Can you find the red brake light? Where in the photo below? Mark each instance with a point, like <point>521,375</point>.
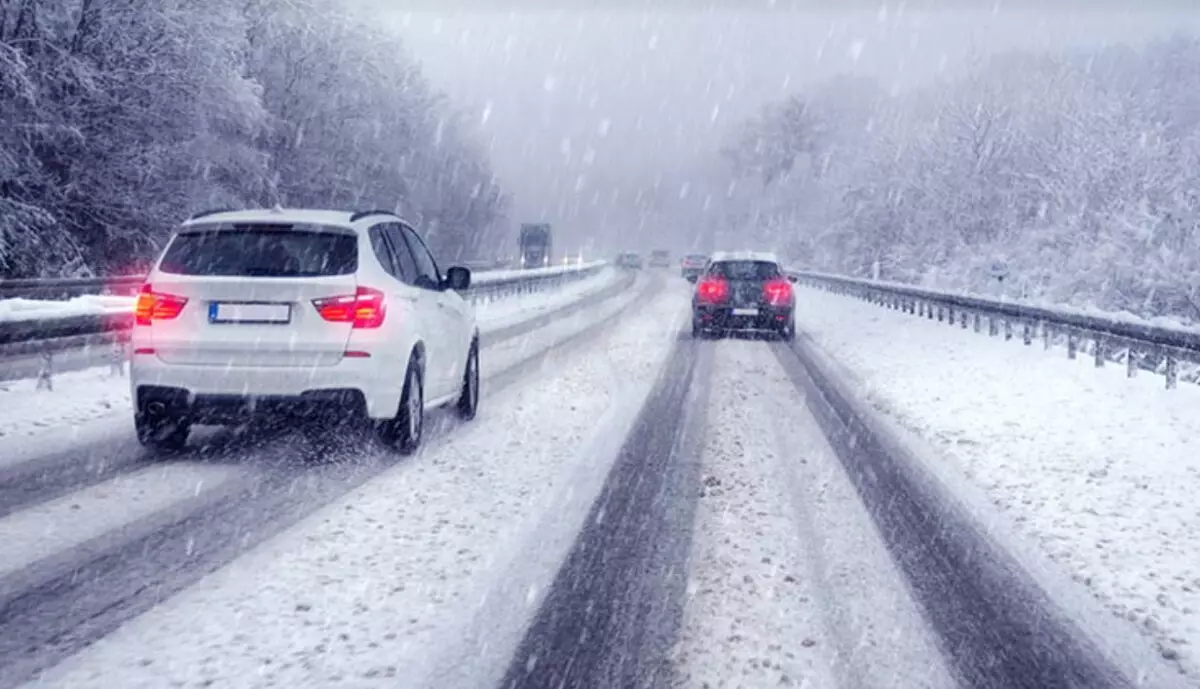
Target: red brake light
<point>778,292</point>
<point>363,309</point>
<point>155,306</point>
<point>712,290</point>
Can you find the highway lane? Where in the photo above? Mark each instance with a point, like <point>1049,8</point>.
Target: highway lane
<point>707,560</point>
<point>52,608</point>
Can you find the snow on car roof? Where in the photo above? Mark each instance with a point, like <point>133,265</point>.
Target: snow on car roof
<point>765,256</point>
<point>297,216</point>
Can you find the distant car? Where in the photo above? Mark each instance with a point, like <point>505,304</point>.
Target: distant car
<point>744,291</point>
<point>330,315</point>
<point>660,258</point>
<point>630,259</point>
<point>693,265</point>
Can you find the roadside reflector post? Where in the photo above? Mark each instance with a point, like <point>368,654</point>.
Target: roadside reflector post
<point>1072,344</point>
<point>1047,335</point>
<point>116,358</point>
<point>1099,351</point>
<point>1172,371</point>
<point>45,371</point>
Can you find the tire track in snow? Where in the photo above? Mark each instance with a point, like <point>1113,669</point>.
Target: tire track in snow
<point>609,618</point>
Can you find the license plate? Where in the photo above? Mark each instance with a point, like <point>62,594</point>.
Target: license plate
<point>242,312</point>
<point>745,312</point>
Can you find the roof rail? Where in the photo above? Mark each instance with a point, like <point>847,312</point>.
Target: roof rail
<point>213,211</point>
<point>362,214</point>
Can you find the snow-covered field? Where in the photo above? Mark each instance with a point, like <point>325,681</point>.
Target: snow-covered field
<point>81,397</point>
<point>381,587</point>
<point>1098,470</point>
<point>789,584</point>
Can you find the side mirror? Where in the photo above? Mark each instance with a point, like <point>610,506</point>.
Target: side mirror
<point>793,278</point>
<point>692,278</point>
<point>457,279</point>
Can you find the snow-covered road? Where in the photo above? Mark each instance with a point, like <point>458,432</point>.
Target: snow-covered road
<point>52,611</point>
<point>790,584</point>
<point>374,589</point>
<point>632,507</point>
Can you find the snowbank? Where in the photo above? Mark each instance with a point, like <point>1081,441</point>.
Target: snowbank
<point>1099,470</point>
<point>485,277</point>
<point>88,305</point>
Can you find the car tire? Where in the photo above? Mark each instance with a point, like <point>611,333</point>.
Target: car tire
<point>468,399</point>
<point>788,334</point>
<point>404,431</point>
<point>165,434</point>
<point>697,329</point>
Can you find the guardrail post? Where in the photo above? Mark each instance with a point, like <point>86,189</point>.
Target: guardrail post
<point>978,323</point>
<point>1047,335</point>
<point>1132,362</point>
<point>44,379</point>
<point>929,311</point>
<point>1027,333</point>
<point>1007,329</point>
<point>963,315</point>
<point>1099,351</point>
<point>116,359</point>
<point>1072,344</point>
<point>1172,371</point>
<point>993,328</point>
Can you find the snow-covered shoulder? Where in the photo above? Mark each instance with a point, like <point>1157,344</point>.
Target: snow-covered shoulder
<point>1099,471</point>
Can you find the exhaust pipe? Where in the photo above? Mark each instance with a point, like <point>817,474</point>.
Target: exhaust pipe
<point>156,408</point>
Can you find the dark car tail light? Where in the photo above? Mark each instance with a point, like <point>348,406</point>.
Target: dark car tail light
<point>778,292</point>
<point>363,309</point>
<point>156,306</point>
<point>712,290</point>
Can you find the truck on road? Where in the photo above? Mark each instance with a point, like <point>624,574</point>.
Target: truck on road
<point>535,245</point>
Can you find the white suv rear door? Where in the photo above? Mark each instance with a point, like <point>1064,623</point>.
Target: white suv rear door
<point>452,315</point>
<point>424,296</point>
<point>250,294</point>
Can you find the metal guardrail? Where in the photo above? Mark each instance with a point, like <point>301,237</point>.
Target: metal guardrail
<point>1140,346</point>
<point>46,336</point>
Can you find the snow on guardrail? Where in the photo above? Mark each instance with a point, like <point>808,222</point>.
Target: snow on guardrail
<point>24,309</point>
<point>1138,343</point>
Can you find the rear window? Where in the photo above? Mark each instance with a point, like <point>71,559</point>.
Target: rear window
<point>745,270</point>
<point>696,257</point>
<point>262,252</point>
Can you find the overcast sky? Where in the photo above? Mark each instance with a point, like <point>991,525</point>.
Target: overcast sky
<point>581,106</point>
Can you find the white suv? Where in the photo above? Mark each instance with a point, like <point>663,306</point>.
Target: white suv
<point>300,313</point>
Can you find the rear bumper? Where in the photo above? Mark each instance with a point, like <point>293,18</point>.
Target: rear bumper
<point>773,318</point>
<point>220,394</point>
